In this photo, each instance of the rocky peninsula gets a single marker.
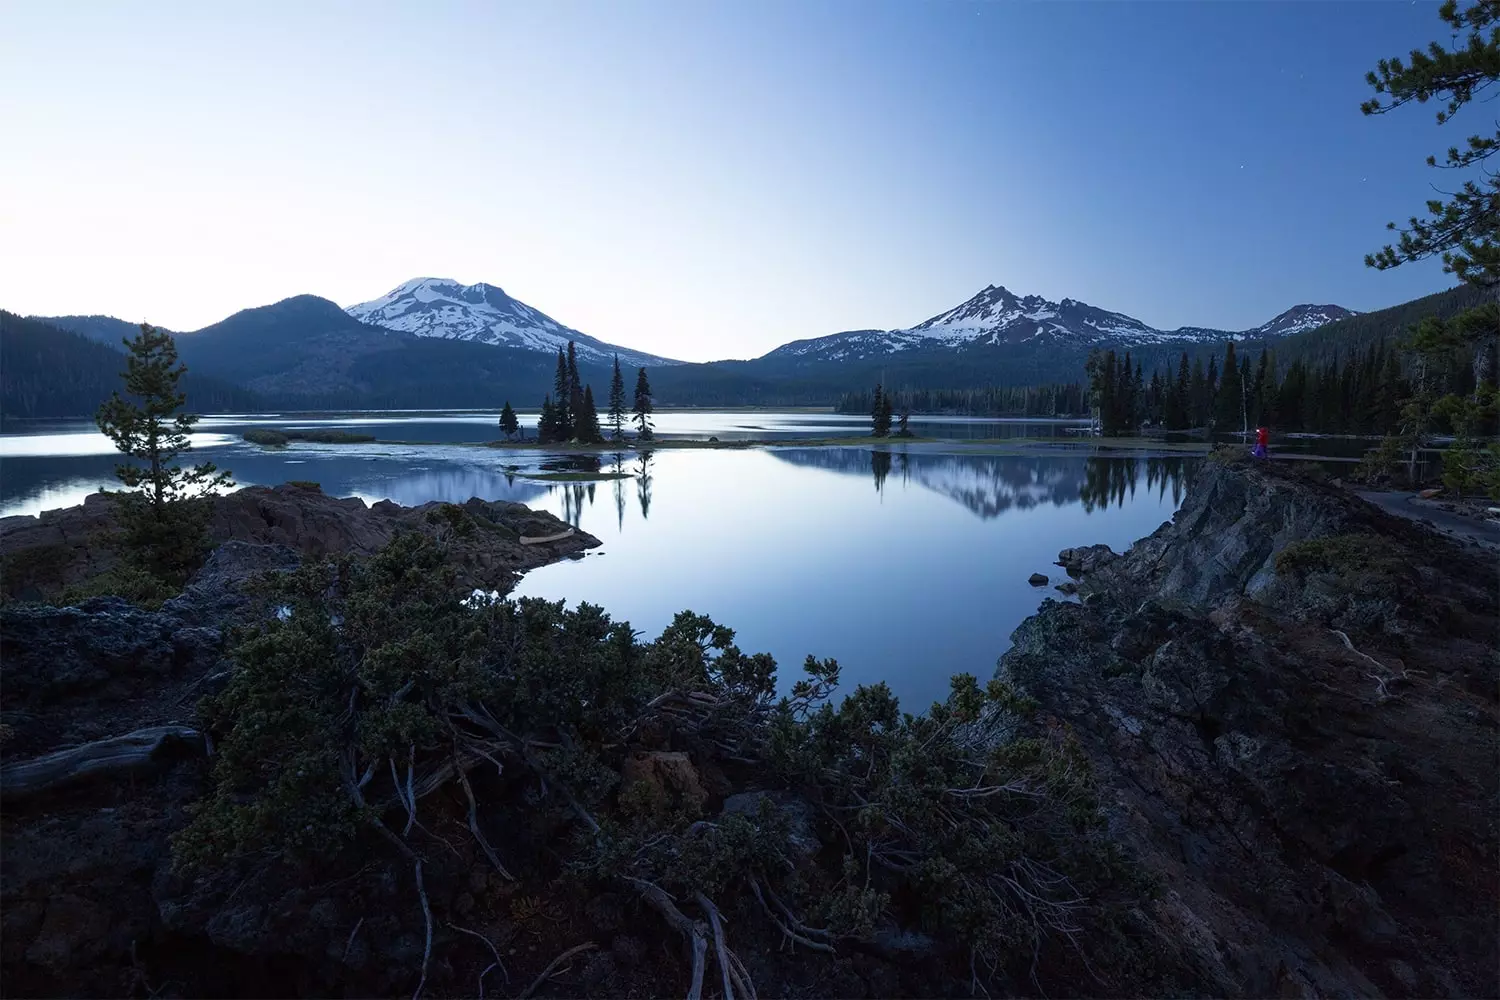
(1257, 757)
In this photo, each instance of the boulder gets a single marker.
(785, 807)
(662, 781)
(1037, 580)
(1085, 559)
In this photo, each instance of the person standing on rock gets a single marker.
(1262, 447)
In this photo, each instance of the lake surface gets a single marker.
(905, 567)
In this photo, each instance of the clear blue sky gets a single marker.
(707, 179)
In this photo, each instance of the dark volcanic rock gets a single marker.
(1323, 823)
(42, 555)
(1037, 580)
(91, 902)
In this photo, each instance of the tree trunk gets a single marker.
(101, 759)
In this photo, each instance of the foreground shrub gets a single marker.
(378, 685)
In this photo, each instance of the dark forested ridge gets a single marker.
(106, 330)
(307, 353)
(1066, 400)
(49, 372)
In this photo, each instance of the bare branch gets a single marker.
(551, 966)
(493, 951)
(426, 916)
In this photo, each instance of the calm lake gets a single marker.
(905, 565)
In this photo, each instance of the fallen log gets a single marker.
(102, 758)
(543, 539)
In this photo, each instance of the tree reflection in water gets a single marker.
(880, 465)
(990, 485)
(643, 483)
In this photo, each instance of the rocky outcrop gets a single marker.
(1312, 785)
(100, 758)
(42, 555)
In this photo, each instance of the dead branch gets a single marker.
(427, 916)
(692, 930)
(790, 934)
(410, 807)
(350, 943)
(493, 951)
(1385, 676)
(117, 755)
(791, 917)
(489, 852)
(551, 966)
(736, 978)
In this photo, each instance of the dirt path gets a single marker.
(1408, 505)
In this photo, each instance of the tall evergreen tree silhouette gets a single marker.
(643, 408)
(617, 403)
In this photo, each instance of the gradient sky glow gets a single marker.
(707, 179)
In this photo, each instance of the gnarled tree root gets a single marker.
(101, 759)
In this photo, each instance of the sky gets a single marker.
(707, 179)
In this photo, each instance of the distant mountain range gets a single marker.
(997, 316)
(433, 342)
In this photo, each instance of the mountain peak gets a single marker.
(481, 312)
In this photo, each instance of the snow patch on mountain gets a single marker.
(998, 316)
(483, 313)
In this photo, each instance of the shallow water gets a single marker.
(905, 567)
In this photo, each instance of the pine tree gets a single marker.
(887, 411)
(1202, 396)
(617, 403)
(1464, 230)
(587, 430)
(548, 430)
(165, 524)
(562, 385)
(575, 388)
(509, 425)
(643, 406)
(1230, 401)
(876, 405)
(903, 428)
(1179, 398)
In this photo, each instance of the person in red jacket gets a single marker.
(1262, 447)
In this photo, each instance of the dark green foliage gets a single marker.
(617, 403)
(1117, 393)
(509, 425)
(151, 427)
(1230, 406)
(575, 390)
(1465, 229)
(562, 386)
(273, 438)
(642, 408)
(49, 372)
(549, 426)
(164, 511)
(880, 413)
(587, 430)
(990, 401)
(969, 822)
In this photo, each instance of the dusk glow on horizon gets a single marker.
(706, 181)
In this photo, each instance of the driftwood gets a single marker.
(544, 539)
(100, 759)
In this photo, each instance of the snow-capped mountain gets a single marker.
(441, 307)
(998, 316)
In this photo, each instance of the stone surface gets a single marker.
(1037, 580)
(41, 555)
(793, 810)
(1315, 836)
